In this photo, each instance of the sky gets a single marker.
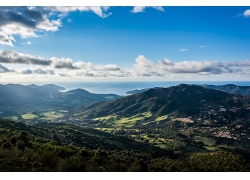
(124, 43)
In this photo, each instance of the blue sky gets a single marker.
(124, 43)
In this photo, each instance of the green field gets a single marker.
(160, 118)
(63, 111)
(29, 116)
(143, 118)
(205, 140)
(11, 117)
(50, 115)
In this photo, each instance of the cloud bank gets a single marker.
(143, 67)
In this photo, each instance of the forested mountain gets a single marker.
(19, 99)
(230, 88)
(97, 97)
(181, 100)
(136, 91)
(49, 88)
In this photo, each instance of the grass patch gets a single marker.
(63, 111)
(51, 115)
(210, 148)
(14, 118)
(29, 116)
(105, 129)
(160, 118)
(104, 118)
(143, 118)
(205, 140)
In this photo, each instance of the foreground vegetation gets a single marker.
(39, 148)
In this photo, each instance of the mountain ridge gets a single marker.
(181, 100)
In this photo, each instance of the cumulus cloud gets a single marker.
(204, 67)
(145, 67)
(37, 71)
(100, 73)
(62, 63)
(99, 10)
(138, 9)
(24, 21)
(36, 21)
(4, 69)
(6, 39)
(181, 50)
(247, 13)
(82, 65)
(166, 62)
(7, 56)
(111, 67)
(12, 57)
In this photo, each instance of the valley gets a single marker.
(183, 120)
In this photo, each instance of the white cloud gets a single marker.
(99, 10)
(36, 71)
(48, 25)
(159, 8)
(4, 69)
(137, 9)
(82, 65)
(28, 42)
(166, 62)
(36, 21)
(247, 13)
(63, 63)
(13, 57)
(181, 50)
(143, 67)
(26, 22)
(5, 39)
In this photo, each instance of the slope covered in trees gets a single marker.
(22, 148)
(181, 100)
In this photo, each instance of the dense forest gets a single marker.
(26, 148)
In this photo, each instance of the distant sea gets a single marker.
(121, 88)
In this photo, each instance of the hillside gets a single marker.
(230, 88)
(68, 134)
(16, 99)
(49, 88)
(67, 148)
(181, 100)
(98, 97)
(136, 91)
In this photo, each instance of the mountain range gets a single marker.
(181, 100)
(229, 88)
(16, 98)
